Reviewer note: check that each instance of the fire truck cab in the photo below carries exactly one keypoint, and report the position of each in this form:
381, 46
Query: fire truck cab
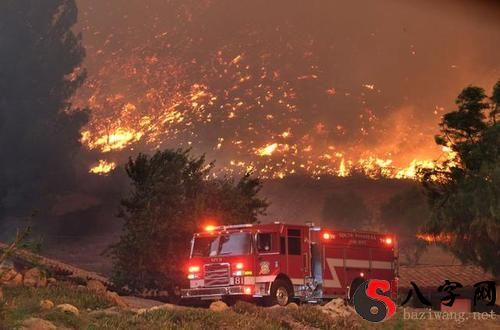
279, 262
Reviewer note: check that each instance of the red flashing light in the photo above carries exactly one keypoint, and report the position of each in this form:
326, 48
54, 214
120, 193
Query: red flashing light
247, 290
209, 228
328, 236
239, 265
194, 269
388, 241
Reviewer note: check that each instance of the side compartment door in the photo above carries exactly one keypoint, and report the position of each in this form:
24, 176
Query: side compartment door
297, 254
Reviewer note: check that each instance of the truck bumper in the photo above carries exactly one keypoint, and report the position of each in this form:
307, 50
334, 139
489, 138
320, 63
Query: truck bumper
217, 292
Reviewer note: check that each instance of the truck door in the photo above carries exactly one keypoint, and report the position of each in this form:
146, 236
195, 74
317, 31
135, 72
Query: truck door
297, 258
268, 255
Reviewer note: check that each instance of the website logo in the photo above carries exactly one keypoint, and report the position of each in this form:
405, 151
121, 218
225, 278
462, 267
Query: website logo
371, 301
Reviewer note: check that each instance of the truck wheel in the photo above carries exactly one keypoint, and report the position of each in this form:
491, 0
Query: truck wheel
281, 293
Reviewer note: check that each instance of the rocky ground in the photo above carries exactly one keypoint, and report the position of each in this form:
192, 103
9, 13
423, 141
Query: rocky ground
30, 300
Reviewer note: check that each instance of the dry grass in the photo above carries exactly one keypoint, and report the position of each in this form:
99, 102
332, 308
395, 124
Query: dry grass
22, 303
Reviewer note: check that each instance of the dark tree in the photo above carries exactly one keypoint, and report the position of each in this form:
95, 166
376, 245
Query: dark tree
464, 193
405, 214
39, 72
171, 198
345, 210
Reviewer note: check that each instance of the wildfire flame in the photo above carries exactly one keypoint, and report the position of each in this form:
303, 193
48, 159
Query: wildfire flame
237, 103
118, 139
103, 167
441, 238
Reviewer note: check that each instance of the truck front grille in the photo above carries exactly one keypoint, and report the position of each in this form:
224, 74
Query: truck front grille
216, 274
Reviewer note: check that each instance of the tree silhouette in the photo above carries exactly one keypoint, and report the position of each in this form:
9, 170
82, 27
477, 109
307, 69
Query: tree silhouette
172, 198
464, 193
39, 72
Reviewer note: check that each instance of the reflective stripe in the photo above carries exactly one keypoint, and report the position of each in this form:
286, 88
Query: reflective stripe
358, 263
266, 278
382, 265
297, 280
249, 280
353, 263
335, 281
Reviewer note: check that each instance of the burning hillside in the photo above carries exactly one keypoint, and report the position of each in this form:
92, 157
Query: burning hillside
277, 88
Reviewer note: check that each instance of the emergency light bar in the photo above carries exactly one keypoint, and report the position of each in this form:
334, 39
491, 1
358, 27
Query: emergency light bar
224, 227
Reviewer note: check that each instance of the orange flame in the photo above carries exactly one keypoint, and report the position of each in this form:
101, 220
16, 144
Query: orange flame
104, 167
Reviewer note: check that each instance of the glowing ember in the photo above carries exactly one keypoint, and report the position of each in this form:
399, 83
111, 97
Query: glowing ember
104, 167
267, 150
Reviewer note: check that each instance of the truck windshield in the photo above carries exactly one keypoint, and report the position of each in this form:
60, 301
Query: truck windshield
222, 245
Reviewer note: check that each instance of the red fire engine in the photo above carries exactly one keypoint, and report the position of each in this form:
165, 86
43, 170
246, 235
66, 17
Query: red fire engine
279, 262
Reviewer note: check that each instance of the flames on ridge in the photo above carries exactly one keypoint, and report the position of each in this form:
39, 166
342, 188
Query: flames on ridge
257, 104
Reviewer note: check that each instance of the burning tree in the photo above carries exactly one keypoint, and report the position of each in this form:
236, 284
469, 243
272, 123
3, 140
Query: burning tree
464, 194
171, 197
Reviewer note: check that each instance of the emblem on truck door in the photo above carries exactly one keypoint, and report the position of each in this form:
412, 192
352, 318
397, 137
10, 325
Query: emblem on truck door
264, 268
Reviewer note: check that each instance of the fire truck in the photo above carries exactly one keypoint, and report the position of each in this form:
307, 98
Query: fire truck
281, 262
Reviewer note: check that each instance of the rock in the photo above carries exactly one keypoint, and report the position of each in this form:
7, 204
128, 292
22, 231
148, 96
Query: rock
6, 264
162, 307
96, 286
70, 309
11, 278
46, 305
34, 323
218, 306
292, 306
337, 308
116, 299
17, 281
275, 306
51, 280
139, 311
156, 308
35, 278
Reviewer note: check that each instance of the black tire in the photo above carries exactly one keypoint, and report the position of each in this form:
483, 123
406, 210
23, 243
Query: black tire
281, 293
